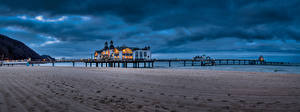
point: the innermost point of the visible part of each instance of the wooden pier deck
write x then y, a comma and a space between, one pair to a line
103, 63
191, 62
151, 63
12, 63
147, 63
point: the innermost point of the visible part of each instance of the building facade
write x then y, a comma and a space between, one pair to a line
122, 53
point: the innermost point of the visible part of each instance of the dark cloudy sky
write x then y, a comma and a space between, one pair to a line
76, 28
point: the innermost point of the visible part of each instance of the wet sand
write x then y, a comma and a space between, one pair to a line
67, 89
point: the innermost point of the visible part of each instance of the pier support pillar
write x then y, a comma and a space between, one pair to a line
169, 63
193, 63
105, 64
91, 64
85, 64
184, 62
96, 64
73, 64
53, 64
138, 64
118, 64
152, 64
145, 65
214, 63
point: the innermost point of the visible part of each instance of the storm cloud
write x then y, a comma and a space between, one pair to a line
65, 28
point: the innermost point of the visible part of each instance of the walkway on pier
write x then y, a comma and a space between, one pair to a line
13, 62
147, 63
104, 63
150, 63
213, 62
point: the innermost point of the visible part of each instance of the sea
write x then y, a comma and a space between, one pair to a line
293, 68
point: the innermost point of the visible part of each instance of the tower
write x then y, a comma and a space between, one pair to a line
111, 45
106, 45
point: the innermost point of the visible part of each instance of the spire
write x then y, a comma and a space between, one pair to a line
111, 45
106, 45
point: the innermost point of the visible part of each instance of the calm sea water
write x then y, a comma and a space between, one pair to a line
174, 65
274, 57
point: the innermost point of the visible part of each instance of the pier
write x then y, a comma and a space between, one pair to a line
103, 63
13, 62
151, 63
191, 62
145, 63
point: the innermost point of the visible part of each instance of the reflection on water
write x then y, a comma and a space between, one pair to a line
252, 68
174, 65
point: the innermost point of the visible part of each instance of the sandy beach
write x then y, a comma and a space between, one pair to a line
67, 89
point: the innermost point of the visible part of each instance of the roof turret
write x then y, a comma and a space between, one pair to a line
111, 45
106, 45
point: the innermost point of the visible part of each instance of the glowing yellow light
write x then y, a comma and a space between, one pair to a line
127, 50
116, 51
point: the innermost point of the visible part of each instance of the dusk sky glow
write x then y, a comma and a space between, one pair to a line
173, 28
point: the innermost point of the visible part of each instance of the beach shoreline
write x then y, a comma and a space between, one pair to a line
78, 89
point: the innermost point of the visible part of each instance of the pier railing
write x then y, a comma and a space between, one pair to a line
150, 63
144, 63
212, 62
102, 63
13, 62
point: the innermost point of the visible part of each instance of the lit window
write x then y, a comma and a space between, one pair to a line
127, 52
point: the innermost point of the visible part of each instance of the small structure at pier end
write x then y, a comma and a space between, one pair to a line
122, 53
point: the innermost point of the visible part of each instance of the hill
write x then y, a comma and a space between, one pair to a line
15, 50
